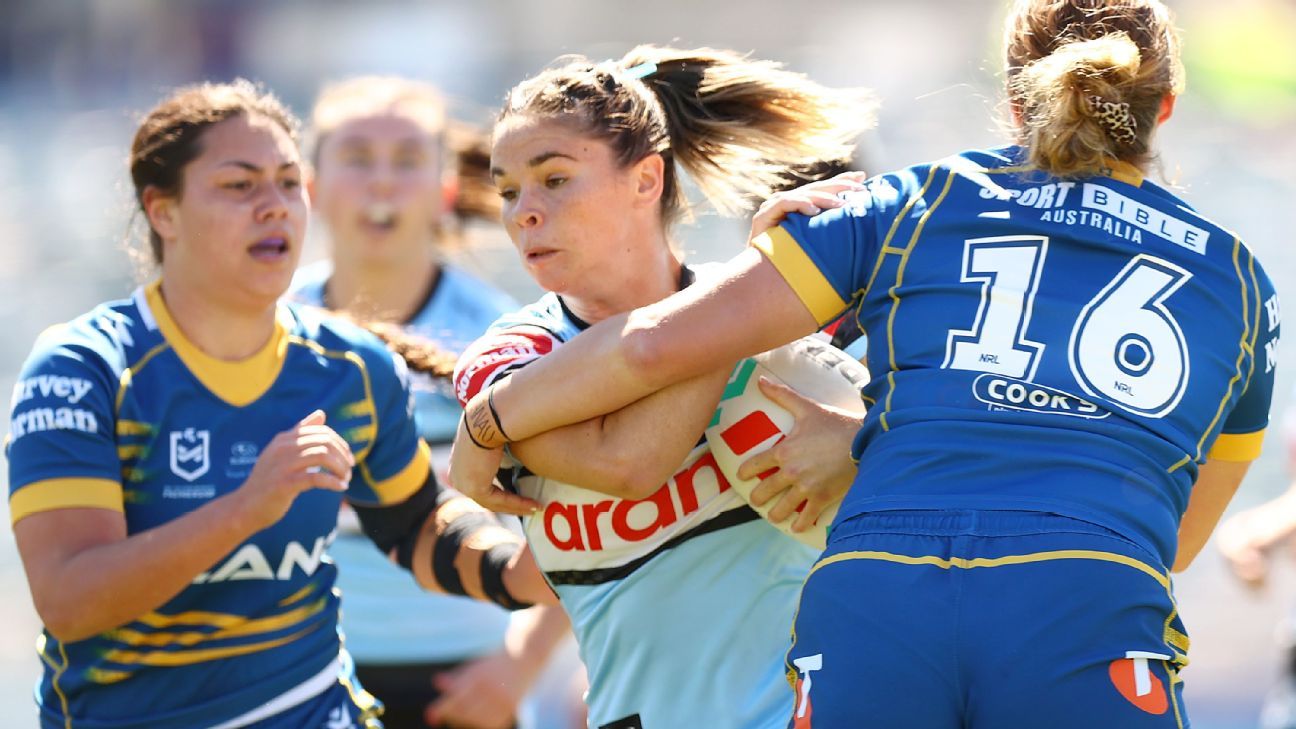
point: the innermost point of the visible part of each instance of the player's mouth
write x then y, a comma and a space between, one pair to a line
379, 218
540, 254
271, 249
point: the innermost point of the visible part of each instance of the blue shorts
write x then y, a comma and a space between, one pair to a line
985, 620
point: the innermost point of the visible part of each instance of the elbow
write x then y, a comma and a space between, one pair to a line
66, 623
645, 351
626, 477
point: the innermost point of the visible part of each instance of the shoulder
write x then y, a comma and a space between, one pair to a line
319, 329
107, 339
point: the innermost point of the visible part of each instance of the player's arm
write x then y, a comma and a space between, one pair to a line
625, 358
1241, 435
452, 545
87, 575
1217, 481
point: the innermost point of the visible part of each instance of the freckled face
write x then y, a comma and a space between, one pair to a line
565, 199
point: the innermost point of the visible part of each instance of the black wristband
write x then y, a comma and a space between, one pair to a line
490, 405
468, 429
493, 563
447, 547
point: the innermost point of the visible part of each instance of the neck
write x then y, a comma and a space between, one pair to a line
638, 281
220, 330
383, 292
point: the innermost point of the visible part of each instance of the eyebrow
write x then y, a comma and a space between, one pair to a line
536, 161
253, 168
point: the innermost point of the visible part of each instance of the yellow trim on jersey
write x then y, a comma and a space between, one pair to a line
185, 658
398, 488
133, 427
1245, 346
355, 359
1239, 447
299, 595
1123, 171
801, 273
946, 563
105, 676
895, 297
360, 408
65, 493
41, 644
129, 451
238, 383
246, 627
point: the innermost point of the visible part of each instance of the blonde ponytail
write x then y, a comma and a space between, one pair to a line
1087, 78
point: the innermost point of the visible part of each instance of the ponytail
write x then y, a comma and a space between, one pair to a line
741, 128
1087, 78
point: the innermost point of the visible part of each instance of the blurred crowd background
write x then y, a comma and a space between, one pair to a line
75, 75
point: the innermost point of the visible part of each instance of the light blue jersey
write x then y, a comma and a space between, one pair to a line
118, 410
386, 617
681, 602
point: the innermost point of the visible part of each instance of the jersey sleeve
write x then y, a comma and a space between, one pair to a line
496, 354
827, 258
62, 445
398, 462
1244, 425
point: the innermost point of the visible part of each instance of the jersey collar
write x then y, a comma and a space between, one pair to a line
238, 383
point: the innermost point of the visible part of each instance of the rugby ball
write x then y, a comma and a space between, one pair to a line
746, 422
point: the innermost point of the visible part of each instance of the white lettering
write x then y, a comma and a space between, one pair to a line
1272, 309
1271, 354
1097, 197
38, 420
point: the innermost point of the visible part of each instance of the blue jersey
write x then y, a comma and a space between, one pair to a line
1069, 346
681, 602
386, 618
118, 410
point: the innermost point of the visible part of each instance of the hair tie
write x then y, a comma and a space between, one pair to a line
642, 70
1115, 117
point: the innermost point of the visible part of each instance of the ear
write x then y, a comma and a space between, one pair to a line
1167, 108
449, 191
649, 175
160, 210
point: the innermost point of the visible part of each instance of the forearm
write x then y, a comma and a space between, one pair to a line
631, 452
703, 328
533, 635
108, 585
1217, 481
449, 551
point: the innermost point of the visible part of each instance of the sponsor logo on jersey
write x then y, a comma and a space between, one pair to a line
500, 353
38, 420
612, 523
188, 491
1040, 197
250, 563
190, 453
998, 391
71, 389
1156, 222
1134, 679
805, 666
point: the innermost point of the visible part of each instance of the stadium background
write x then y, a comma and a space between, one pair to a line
75, 74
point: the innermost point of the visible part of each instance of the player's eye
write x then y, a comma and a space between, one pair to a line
554, 182
508, 193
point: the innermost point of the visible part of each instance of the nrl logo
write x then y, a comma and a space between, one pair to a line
189, 453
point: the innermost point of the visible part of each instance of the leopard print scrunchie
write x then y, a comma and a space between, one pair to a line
1115, 118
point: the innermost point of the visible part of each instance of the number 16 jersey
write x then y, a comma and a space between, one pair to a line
1074, 346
